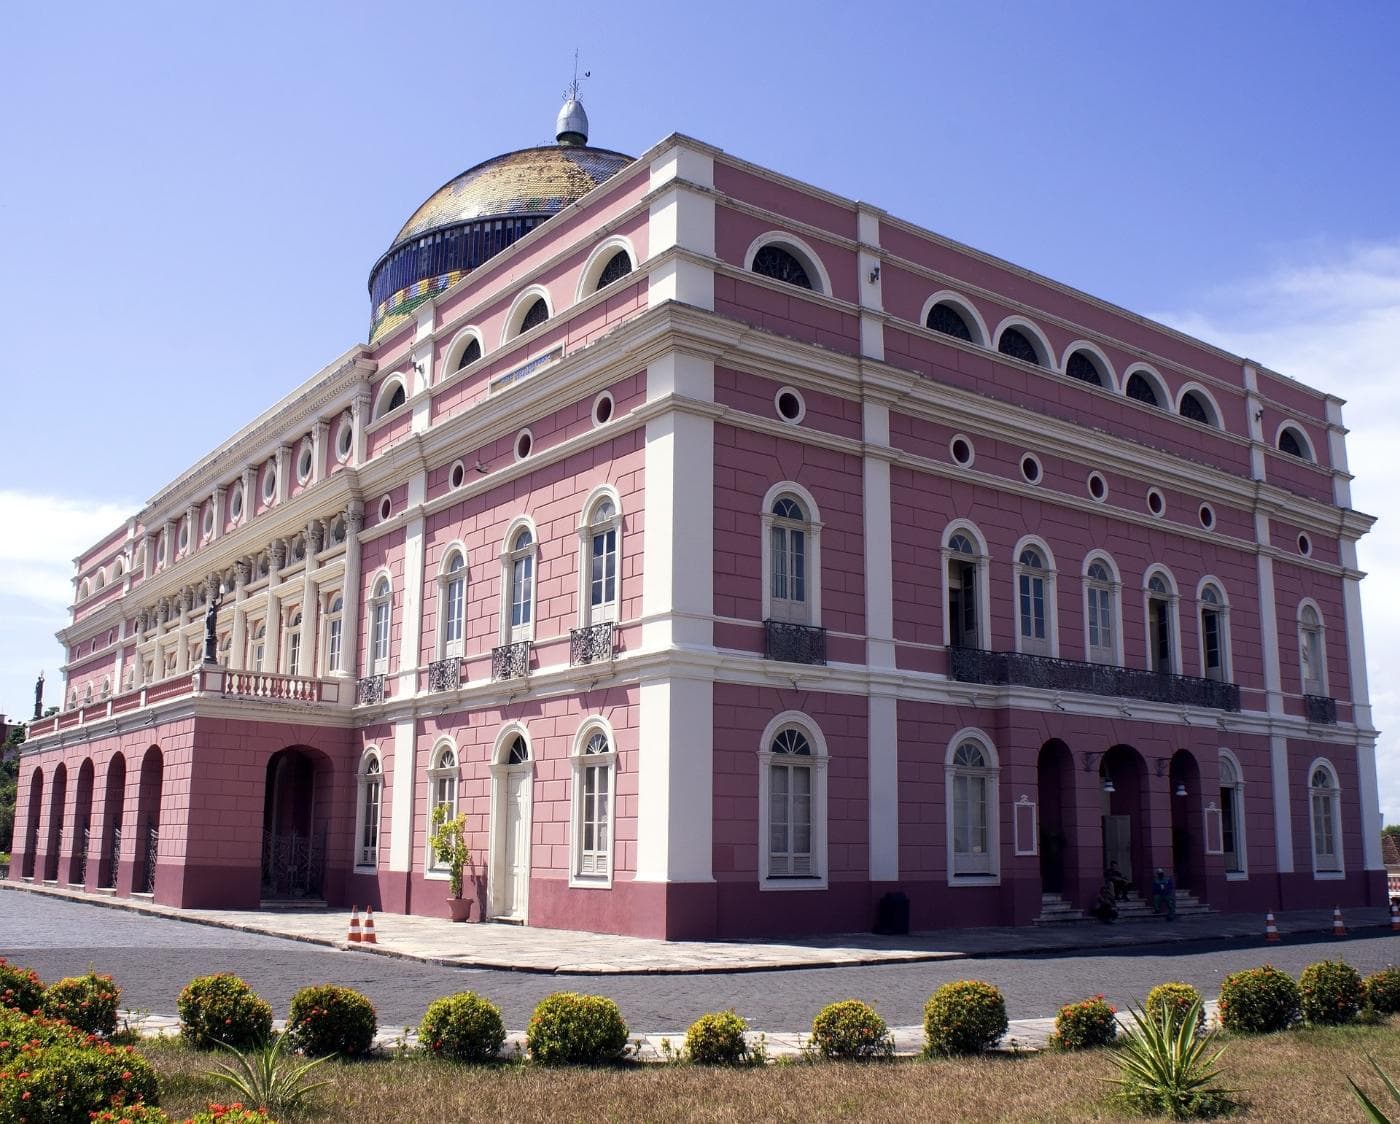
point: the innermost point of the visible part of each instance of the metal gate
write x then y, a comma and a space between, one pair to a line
293, 864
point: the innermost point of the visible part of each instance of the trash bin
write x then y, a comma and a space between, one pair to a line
892, 914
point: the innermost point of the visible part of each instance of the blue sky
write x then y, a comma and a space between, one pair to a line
194, 195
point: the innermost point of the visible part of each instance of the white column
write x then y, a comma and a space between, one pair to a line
410, 635
882, 748
1283, 822
237, 652
318, 450
310, 601
675, 780
359, 418
1370, 799
872, 327
1356, 637
401, 809
217, 504
350, 639
682, 217
1337, 453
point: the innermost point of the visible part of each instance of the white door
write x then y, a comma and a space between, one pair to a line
515, 846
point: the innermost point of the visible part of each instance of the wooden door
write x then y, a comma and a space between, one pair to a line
515, 850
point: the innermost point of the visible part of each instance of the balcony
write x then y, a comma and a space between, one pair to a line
593, 644
794, 643
369, 690
1320, 709
273, 688
973, 665
511, 661
445, 675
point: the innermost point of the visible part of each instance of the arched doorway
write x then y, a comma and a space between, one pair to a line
512, 792
31, 825
148, 820
296, 810
1188, 848
113, 805
82, 824
1123, 785
58, 797
1054, 773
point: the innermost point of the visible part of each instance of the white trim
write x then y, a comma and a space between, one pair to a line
1050, 577
1101, 362
794, 719
1240, 817
607, 611
809, 259
1212, 407
378, 665
1032, 332
1300, 432
444, 578
460, 342
1304, 604
801, 405
1338, 838
1038, 477
386, 392
598, 261
992, 775
1173, 616
971, 450
500, 792
982, 563
1089, 485
1155, 491
593, 723
604, 396
964, 307
1115, 593
522, 304
1223, 612
813, 528
527, 436
345, 427
510, 633
436, 773
362, 775
1154, 379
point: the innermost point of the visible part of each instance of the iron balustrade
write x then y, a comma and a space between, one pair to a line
369, 690
81, 871
591, 644
293, 864
1320, 709
976, 665
152, 844
510, 661
114, 860
794, 643
445, 675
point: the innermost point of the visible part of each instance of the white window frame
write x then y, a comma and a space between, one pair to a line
964, 308
501, 770
1332, 794
443, 777
370, 775
807, 257
1230, 764
522, 304
381, 624
1221, 608
1100, 360
589, 529
460, 342
817, 763
583, 763
1173, 600
1033, 333
1049, 644
981, 566
990, 775
257, 645
333, 626
386, 395
511, 554
1111, 654
292, 655
1314, 636
598, 261
786, 609
452, 618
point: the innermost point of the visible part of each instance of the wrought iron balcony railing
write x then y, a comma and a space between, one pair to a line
1320, 709
369, 690
510, 661
445, 675
592, 644
793, 643
974, 665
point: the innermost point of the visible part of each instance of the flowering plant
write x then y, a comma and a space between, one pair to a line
450, 846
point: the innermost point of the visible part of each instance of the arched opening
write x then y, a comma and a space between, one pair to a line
148, 820
1188, 846
58, 796
31, 827
1123, 788
1054, 774
296, 811
113, 802
82, 825
512, 784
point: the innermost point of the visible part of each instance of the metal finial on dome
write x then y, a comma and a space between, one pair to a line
571, 126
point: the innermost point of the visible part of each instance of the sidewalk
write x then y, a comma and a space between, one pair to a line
526, 949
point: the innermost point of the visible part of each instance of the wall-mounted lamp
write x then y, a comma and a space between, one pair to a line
1108, 785
875, 273
1180, 789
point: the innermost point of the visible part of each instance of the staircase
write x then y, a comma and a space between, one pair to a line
1054, 910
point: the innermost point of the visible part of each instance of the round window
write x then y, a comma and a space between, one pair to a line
524, 442
269, 481
603, 408
1030, 468
235, 503
304, 462
1098, 487
457, 475
789, 404
386, 508
343, 437
1304, 545
1207, 516
184, 535
206, 522
1155, 502
961, 450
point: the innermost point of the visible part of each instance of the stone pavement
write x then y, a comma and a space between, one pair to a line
528, 949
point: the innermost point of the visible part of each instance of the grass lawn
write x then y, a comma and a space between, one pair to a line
1297, 1076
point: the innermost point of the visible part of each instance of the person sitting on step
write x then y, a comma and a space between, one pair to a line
1164, 894
1114, 877
1104, 908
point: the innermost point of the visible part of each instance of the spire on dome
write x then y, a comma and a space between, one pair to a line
571, 126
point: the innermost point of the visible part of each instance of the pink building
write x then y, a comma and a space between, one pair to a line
733, 554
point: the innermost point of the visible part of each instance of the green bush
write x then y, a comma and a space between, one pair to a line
222, 1010
568, 1028
851, 1029
1081, 1026
132, 1114
1383, 991
53, 1074
717, 1039
330, 1019
964, 1017
87, 1002
1181, 996
1330, 993
229, 1114
1258, 1001
20, 988
463, 1028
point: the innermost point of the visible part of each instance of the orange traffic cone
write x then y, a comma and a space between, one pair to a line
1339, 929
1270, 929
369, 937
354, 937
1394, 916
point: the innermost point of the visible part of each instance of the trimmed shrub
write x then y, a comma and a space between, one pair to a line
463, 1028
229, 1114
1330, 993
20, 988
568, 1028
222, 1009
1258, 1001
851, 1030
53, 1074
330, 1019
1181, 996
87, 1002
964, 1017
717, 1039
1383, 991
1081, 1026
131, 1114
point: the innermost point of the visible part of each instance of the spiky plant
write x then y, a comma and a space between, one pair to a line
1373, 1114
1165, 1066
267, 1077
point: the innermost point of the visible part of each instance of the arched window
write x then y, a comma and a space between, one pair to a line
1035, 602
518, 562
1312, 653
790, 568
519, 751
367, 805
293, 631
972, 815
594, 762
1082, 366
781, 265
1325, 798
381, 608
1232, 815
1161, 625
1018, 345
259, 648
470, 354
442, 793
618, 267
1215, 635
390, 398
335, 616
535, 315
452, 594
1292, 442
1101, 613
943, 317
792, 802
600, 549
963, 567
1193, 406
1140, 389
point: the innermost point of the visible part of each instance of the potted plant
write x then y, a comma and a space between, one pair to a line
450, 846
